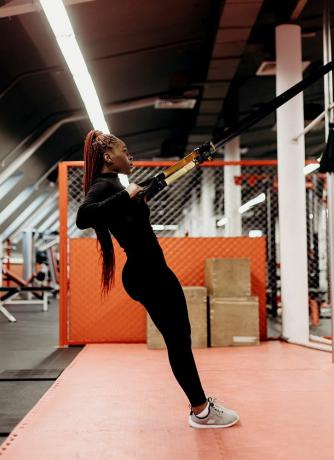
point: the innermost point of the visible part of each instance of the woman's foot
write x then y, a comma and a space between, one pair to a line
217, 416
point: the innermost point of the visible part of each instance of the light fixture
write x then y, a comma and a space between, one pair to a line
255, 233
308, 169
59, 21
244, 208
160, 227
268, 68
175, 103
254, 201
60, 24
221, 222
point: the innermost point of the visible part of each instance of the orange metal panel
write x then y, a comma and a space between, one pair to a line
63, 264
117, 318
71, 164
153, 164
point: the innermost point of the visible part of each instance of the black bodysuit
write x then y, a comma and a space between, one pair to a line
146, 276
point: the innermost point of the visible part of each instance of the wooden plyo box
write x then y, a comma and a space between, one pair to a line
228, 277
234, 321
196, 297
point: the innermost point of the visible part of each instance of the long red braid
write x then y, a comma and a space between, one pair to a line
95, 145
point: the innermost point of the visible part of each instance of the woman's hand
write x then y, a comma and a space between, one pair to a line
133, 189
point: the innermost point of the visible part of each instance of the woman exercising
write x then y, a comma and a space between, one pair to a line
110, 208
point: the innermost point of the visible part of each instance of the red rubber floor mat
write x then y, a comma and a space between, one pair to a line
121, 401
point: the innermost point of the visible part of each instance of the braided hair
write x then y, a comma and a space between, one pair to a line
95, 145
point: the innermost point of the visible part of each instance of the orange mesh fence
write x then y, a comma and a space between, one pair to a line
118, 318
188, 218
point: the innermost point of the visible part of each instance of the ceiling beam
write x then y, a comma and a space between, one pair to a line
36, 217
76, 116
236, 21
17, 7
23, 216
298, 9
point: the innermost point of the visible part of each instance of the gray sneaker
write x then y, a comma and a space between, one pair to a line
218, 416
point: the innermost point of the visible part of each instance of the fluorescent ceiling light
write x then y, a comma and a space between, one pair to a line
159, 227
222, 222
244, 208
60, 24
255, 233
262, 197
254, 201
311, 168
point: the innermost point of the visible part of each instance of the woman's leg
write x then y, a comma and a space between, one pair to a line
164, 300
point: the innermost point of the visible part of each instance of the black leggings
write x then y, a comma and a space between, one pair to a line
161, 294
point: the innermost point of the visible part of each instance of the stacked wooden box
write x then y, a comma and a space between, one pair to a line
196, 298
234, 313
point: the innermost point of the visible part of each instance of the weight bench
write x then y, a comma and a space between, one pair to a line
11, 291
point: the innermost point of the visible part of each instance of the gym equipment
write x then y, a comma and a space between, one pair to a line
6, 299
22, 286
207, 150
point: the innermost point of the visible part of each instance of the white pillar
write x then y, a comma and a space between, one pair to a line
194, 216
291, 181
208, 221
329, 117
189, 225
232, 192
27, 251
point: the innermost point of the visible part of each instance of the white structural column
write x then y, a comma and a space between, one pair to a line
232, 192
208, 221
291, 184
191, 222
329, 118
194, 216
27, 250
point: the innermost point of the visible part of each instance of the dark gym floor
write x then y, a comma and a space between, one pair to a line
31, 344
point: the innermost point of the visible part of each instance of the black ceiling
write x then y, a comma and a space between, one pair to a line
141, 49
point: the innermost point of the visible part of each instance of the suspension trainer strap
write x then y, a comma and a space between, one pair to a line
206, 151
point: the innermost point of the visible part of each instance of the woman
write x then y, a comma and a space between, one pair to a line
109, 207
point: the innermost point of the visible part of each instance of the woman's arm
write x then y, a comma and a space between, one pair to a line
93, 212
